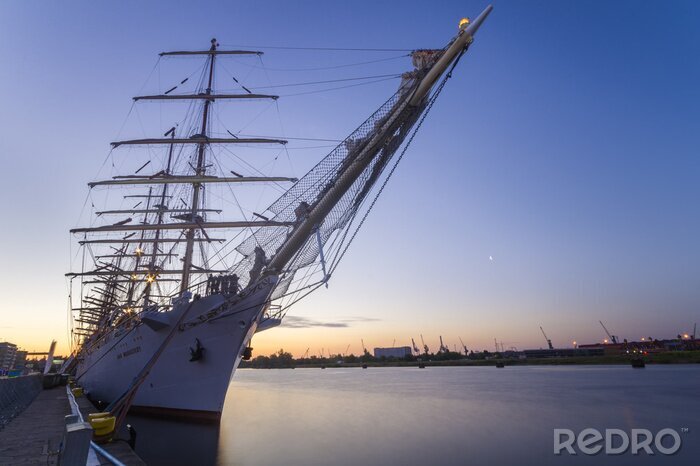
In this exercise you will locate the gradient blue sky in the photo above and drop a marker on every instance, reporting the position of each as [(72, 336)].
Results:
[(566, 147)]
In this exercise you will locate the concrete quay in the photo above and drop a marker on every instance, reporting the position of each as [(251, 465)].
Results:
[(34, 434)]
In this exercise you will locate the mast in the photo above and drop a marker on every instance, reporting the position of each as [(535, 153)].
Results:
[(189, 217), (191, 179), (163, 194), (139, 253), (187, 262), (194, 224), (197, 139)]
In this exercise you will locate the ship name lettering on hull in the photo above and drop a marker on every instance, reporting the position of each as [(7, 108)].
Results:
[(126, 353)]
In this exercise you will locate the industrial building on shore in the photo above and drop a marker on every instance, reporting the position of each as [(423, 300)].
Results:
[(394, 352)]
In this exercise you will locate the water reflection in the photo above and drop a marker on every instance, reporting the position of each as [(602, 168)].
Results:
[(463, 415), (169, 443)]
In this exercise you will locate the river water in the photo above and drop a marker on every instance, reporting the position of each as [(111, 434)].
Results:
[(433, 416)]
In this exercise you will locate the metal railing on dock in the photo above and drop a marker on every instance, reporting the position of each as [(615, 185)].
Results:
[(16, 393), (92, 447)]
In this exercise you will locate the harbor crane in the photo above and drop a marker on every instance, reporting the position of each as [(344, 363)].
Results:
[(346, 351), (443, 348), (425, 347), (415, 348), (613, 338), (306, 353), (364, 350), (549, 342), (466, 353)]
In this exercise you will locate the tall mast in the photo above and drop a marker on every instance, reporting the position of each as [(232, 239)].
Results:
[(139, 253), (187, 263), (161, 211)]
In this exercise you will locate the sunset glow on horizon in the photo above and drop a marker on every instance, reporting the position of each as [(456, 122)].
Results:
[(554, 183)]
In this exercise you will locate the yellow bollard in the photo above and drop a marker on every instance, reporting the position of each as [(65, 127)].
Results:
[(102, 426), (77, 392)]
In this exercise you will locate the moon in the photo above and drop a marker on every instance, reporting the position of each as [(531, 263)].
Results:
[(491, 258)]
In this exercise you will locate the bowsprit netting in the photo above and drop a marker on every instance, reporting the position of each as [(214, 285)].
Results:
[(391, 122)]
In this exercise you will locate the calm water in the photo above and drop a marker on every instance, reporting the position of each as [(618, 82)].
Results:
[(432, 416)]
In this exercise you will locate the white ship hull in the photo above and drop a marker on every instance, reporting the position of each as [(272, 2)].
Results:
[(175, 385)]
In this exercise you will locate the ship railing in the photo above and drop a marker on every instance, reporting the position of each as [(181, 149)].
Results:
[(273, 312)]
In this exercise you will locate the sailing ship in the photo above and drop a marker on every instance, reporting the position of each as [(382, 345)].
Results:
[(168, 338)]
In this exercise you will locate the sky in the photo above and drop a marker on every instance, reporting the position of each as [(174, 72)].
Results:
[(554, 183)]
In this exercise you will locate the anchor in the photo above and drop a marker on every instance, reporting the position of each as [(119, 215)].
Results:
[(197, 352)]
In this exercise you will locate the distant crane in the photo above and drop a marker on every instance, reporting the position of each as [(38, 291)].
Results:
[(443, 348), (346, 351), (393, 343), (364, 350), (549, 342), (695, 327), (415, 348), (463, 346), (425, 347), (495, 342), (613, 338), (306, 354)]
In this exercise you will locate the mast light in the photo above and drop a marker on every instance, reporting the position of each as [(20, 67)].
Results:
[(464, 22)]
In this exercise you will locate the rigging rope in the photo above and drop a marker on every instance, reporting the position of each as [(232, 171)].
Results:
[(121, 405), (393, 75), (339, 257), (334, 49), (341, 87), (334, 67), (340, 254)]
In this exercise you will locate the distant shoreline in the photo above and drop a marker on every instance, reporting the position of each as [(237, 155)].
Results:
[(675, 357)]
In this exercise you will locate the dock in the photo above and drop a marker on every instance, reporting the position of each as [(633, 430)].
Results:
[(118, 448), (34, 436)]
